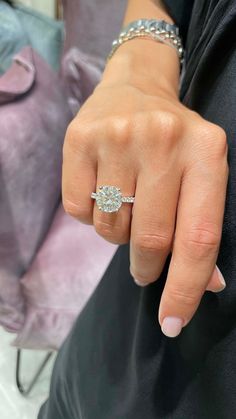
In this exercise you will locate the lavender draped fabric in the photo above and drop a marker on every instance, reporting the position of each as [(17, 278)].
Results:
[(92, 25), (49, 263), (62, 276), (31, 137)]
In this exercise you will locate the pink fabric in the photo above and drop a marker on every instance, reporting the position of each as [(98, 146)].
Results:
[(31, 137), (62, 277), (19, 78), (59, 273), (92, 25), (73, 257), (81, 73)]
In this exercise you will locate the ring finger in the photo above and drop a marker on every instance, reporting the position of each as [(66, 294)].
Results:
[(114, 226)]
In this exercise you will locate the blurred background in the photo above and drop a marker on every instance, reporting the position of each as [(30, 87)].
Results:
[(14, 405), (50, 263), (49, 7)]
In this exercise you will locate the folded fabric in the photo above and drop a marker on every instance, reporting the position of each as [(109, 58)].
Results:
[(45, 35), (59, 274), (31, 138), (21, 26), (81, 72), (60, 280), (92, 25), (89, 34), (73, 257), (12, 35)]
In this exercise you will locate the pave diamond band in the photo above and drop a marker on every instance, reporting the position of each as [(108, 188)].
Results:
[(110, 199)]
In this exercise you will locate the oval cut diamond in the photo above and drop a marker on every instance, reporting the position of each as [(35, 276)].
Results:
[(109, 198)]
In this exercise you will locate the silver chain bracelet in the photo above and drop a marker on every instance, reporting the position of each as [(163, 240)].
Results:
[(158, 30)]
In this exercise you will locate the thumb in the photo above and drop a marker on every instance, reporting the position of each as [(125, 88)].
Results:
[(217, 282)]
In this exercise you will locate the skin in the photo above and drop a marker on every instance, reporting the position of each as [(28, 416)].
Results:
[(133, 132)]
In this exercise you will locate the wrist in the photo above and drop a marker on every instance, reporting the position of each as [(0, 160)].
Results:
[(147, 64)]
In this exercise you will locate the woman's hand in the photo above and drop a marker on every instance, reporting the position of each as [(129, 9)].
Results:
[(142, 139)]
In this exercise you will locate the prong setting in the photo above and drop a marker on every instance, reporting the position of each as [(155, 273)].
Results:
[(109, 198)]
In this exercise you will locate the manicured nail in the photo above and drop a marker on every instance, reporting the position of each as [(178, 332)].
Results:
[(140, 284), (221, 278), (172, 326)]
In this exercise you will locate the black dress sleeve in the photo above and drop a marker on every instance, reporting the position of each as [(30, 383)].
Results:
[(180, 11)]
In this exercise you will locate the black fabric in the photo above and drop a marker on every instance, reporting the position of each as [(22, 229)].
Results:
[(116, 363), (180, 11)]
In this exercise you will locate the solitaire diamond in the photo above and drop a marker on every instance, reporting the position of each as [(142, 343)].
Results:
[(109, 198)]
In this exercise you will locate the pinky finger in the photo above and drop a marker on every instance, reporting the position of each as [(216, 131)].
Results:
[(217, 282)]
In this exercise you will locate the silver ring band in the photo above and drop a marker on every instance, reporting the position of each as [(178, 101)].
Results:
[(110, 199)]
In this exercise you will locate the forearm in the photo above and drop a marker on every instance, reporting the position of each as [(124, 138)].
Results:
[(149, 9), (144, 60)]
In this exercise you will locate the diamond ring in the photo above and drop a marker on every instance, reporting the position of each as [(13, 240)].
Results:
[(110, 199)]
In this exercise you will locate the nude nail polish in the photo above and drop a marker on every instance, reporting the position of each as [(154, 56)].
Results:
[(140, 284), (172, 326), (221, 278)]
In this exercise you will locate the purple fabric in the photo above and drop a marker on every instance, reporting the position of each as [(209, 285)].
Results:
[(80, 72), (92, 25), (62, 277), (90, 28), (31, 138), (19, 78), (59, 273), (73, 257)]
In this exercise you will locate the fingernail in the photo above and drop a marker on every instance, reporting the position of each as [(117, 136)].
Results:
[(172, 326), (221, 278), (140, 284)]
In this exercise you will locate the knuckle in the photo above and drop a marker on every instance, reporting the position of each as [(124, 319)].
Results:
[(152, 243), (221, 147), (120, 130), (109, 231), (183, 297), (103, 228), (217, 138), (71, 134), (77, 135), (76, 210), (220, 134), (169, 125), (202, 241)]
